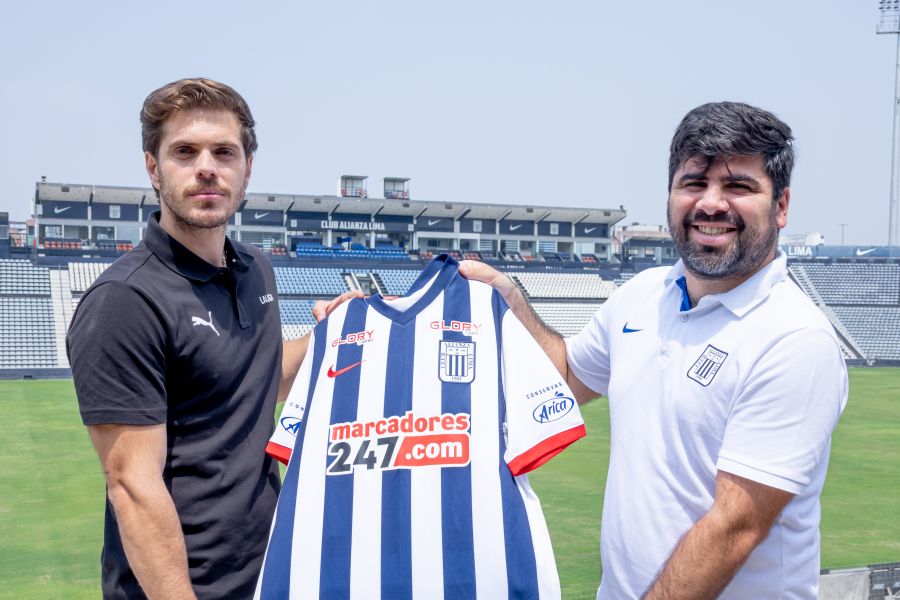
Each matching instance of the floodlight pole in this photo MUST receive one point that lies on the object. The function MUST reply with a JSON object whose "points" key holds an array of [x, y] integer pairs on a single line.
{"points": [[895, 176], [890, 24]]}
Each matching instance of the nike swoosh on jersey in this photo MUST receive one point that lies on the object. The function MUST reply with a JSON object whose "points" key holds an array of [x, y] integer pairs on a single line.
{"points": [[627, 329], [332, 373]]}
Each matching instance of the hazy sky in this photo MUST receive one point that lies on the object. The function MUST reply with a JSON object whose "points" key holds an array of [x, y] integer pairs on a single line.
{"points": [[550, 103]]}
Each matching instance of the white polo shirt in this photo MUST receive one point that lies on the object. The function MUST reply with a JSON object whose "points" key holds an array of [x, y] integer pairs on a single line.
{"points": [[751, 381]]}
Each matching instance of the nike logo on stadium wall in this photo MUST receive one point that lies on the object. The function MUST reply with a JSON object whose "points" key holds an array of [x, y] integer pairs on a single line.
{"points": [[260, 215], [589, 229], [861, 252], [432, 223], [332, 373], [57, 210], [514, 227], [198, 321], [627, 329]]}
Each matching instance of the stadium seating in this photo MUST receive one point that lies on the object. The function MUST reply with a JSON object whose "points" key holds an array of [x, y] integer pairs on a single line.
{"points": [[82, 275], [861, 299], [564, 285], [876, 329], [296, 312], [397, 281], [292, 331], [305, 281], [855, 283], [356, 252], [26, 332], [20, 277], [567, 318]]}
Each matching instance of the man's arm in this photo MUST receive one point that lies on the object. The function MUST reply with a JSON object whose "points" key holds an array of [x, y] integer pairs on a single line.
{"points": [[712, 551], [549, 340], [294, 351], [292, 354], [133, 458]]}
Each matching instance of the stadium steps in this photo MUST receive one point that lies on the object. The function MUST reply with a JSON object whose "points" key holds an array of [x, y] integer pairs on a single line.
{"points": [[61, 301], [352, 283], [378, 283], [849, 345]]}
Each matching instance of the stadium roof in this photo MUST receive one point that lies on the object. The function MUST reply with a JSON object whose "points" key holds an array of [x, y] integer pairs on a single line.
{"points": [[338, 205]]}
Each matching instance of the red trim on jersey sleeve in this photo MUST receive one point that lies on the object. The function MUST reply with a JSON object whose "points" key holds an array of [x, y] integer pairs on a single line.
{"points": [[538, 455], [279, 452]]}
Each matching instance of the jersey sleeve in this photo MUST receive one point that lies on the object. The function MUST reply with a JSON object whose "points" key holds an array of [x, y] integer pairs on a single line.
{"points": [[780, 426], [588, 352], [281, 444], [542, 417], [117, 350]]}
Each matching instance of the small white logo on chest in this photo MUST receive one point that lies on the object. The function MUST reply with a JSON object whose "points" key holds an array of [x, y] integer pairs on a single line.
{"points": [[266, 298], [198, 321], [707, 365]]}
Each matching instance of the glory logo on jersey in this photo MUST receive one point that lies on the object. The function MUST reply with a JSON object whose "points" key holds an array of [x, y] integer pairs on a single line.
{"points": [[463, 327], [358, 338], [443, 445]]}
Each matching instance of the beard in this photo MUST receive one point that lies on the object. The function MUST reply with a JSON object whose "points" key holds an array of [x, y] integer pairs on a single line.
{"points": [[750, 249], [208, 214]]}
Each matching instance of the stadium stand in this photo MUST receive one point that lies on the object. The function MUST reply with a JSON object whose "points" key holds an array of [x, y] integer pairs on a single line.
{"points": [[296, 312], [396, 282], [21, 278], [875, 329], [27, 333], [82, 275], [564, 285], [859, 284], [307, 281], [567, 318], [861, 299]]}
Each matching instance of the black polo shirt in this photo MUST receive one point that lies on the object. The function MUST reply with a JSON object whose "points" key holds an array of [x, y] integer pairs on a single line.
{"points": [[162, 336]]}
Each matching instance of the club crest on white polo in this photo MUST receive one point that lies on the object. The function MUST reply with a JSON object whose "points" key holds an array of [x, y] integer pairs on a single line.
{"points": [[704, 369]]}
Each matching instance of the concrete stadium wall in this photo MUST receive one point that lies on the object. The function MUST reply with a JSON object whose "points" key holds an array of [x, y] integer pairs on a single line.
{"points": [[852, 584]]}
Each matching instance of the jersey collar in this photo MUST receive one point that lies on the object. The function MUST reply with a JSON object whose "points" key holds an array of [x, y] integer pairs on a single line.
{"points": [[443, 269], [744, 297], [181, 260]]}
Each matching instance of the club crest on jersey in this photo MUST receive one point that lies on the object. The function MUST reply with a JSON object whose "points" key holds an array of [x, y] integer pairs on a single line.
{"points": [[463, 327], [457, 362], [553, 408], [358, 338], [704, 369]]}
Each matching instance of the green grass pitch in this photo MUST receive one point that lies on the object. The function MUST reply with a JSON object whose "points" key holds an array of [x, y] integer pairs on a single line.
{"points": [[51, 490]]}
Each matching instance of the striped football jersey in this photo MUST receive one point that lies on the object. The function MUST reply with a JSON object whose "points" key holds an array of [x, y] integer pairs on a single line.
{"points": [[408, 433]]}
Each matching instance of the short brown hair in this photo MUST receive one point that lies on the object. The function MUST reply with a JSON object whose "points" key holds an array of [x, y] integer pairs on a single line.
{"points": [[186, 94]]}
